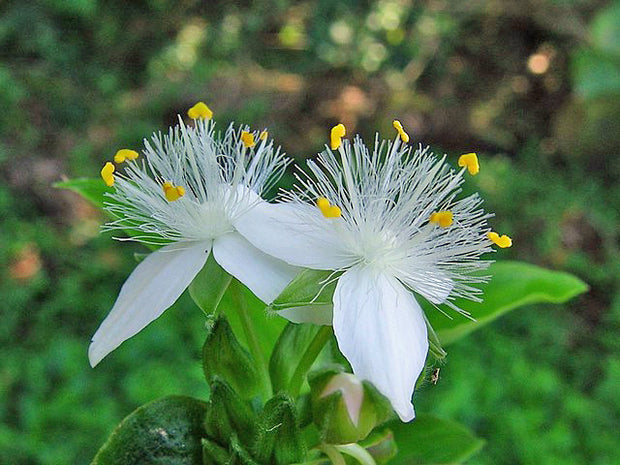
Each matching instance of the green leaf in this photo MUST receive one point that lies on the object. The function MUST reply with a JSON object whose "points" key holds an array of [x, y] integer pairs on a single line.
{"points": [[268, 328], [429, 440], [223, 356], [166, 431], [513, 284], [288, 351], [606, 29], [93, 190], [596, 74], [308, 288], [209, 286]]}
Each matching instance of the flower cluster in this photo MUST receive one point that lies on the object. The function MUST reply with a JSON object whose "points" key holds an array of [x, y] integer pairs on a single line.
{"points": [[386, 221]]}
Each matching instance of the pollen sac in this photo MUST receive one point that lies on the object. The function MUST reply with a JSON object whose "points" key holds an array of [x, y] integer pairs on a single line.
{"points": [[328, 210], [173, 192], [502, 241], [200, 111], [263, 135], [106, 174], [442, 218], [470, 161], [336, 135], [401, 131], [248, 139], [125, 154]]}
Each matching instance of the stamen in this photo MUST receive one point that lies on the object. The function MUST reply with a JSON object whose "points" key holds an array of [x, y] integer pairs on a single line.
{"points": [[442, 218], [106, 174], [125, 154], [328, 210], [401, 132], [263, 135], [502, 241], [337, 133], [200, 110], [173, 192], [470, 161], [248, 139]]}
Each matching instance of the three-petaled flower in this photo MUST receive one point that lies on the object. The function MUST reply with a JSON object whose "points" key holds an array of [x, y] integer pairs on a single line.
{"points": [[187, 193], [387, 222]]}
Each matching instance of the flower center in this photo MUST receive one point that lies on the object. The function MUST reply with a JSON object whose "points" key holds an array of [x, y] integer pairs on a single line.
{"points": [[377, 248], [213, 220]]}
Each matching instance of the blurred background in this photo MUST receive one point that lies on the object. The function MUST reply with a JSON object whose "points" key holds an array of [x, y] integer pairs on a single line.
{"points": [[533, 86]]}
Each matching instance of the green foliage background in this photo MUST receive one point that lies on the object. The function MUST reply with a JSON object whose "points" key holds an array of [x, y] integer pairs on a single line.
{"points": [[532, 86]]}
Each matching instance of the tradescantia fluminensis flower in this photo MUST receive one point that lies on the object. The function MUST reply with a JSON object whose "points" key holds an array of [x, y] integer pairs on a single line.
{"points": [[387, 222], [187, 192]]}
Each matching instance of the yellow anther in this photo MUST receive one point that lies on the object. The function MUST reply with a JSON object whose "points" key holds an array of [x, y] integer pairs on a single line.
{"points": [[401, 132], [332, 212], [502, 241], [470, 161], [200, 110], [263, 135], [125, 154], [442, 218], [173, 192], [322, 203], [248, 139], [106, 174], [328, 210], [336, 135]]}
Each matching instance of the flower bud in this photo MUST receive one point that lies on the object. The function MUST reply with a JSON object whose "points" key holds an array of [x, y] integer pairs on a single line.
{"points": [[344, 408], [223, 356]]}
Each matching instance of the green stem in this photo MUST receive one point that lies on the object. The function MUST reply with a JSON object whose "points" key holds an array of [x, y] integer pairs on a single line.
{"points": [[308, 358], [251, 337], [333, 454], [358, 453]]}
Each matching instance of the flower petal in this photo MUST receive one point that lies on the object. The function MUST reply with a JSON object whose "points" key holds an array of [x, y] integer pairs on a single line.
{"points": [[381, 331], [263, 274], [297, 233], [155, 284]]}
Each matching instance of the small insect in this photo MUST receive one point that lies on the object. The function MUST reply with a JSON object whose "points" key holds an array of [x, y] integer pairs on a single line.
{"points": [[435, 376]]}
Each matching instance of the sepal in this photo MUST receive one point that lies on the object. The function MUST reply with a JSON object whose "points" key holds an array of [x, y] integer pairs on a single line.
{"points": [[279, 439], [228, 415], [381, 445], [344, 408], [238, 454], [213, 453]]}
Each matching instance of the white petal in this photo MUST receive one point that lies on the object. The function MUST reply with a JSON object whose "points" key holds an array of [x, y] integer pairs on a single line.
{"points": [[317, 314], [297, 234], [155, 284], [381, 331], [263, 274]]}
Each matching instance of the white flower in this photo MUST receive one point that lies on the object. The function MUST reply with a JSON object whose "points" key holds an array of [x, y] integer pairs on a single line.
{"points": [[187, 193], [389, 220]]}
